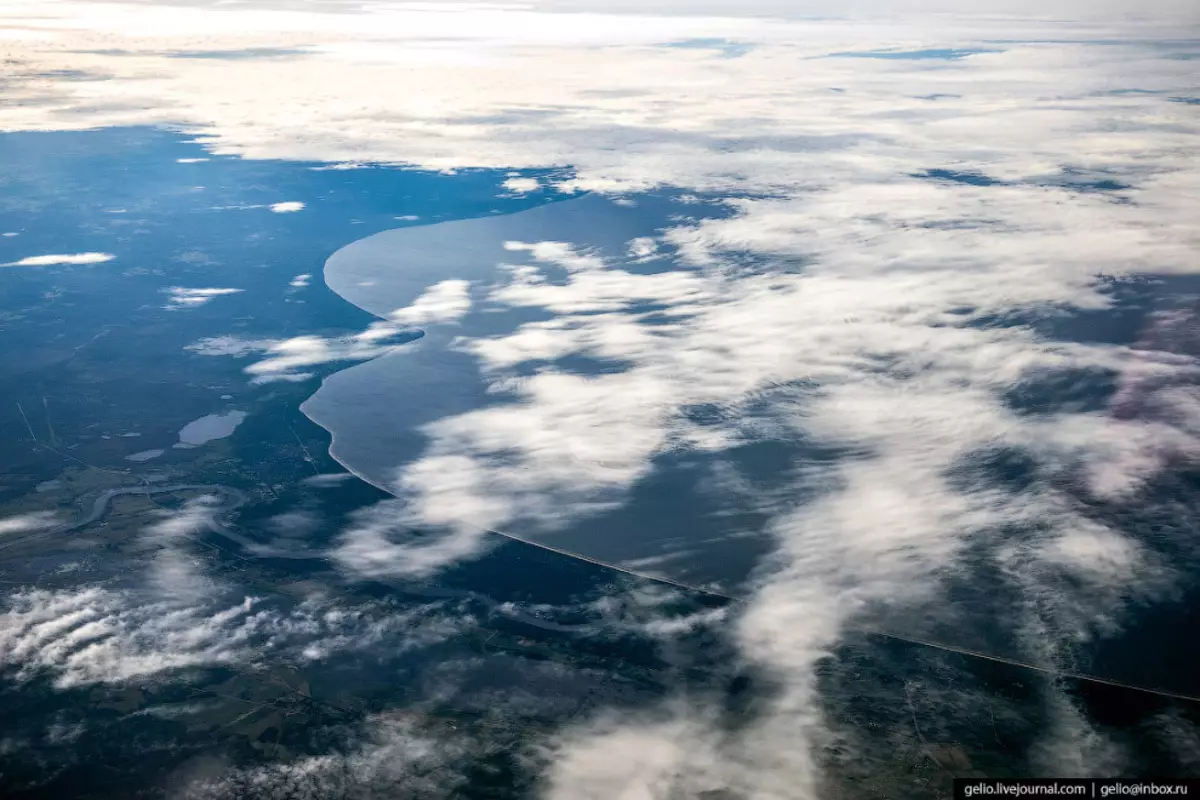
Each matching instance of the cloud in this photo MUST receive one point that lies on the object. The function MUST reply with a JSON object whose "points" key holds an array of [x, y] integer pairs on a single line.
{"points": [[300, 281], [643, 247], [92, 635], [522, 185], [174, 570], [288, 359], [632, 759], [297, 524], [443, 302], [1073, 747], [287, 207], [383, 540], [180, 616], [394, 755], [328, 479], [103, 636], [191, 298], [56, 259], [853, 301], [33, 521]]}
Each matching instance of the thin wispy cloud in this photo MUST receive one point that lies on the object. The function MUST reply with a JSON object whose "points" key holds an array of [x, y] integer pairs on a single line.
{"points": [[328, 479], [61, 259], [180, 297], [23, 523], [392, 755], [291, 359]]}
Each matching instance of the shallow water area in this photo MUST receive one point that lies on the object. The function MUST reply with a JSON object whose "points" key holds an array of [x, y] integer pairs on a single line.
{"points": [[210, 428]]}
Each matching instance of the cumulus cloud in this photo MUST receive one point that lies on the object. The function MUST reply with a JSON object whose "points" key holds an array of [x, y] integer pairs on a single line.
{"points": [[183, 617], [98, 635], [92, 635], [522, 185], [384, 540], [443, 302], [630, 759], [60, 259], [179, 297], [287, 207]]}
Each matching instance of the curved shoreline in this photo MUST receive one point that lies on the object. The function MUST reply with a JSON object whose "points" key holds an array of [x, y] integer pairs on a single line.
{"points": [[375, 305], [332, 451], [949, 648]]}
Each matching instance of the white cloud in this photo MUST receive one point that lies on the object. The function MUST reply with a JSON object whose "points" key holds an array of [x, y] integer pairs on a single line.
{"points": [[395, 756], [1073, 747], [639, 759], [643, 247], [33, 521], [287, 207], [92, 636], [443, 302], [181, 297], [300, 281], [522, 185], [57, 259], [288, 359], [382, 542], [97, 635], [184, 618], [328, 479], [174, 570]]}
